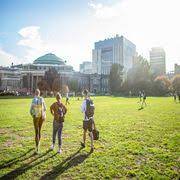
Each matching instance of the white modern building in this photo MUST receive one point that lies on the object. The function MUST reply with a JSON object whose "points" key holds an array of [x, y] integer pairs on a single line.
{"points": [[117, 50], [86, 67], [158, 61]]}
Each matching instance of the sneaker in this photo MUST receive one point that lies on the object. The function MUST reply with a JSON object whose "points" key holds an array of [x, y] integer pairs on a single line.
{"points": [[60, 151], [83, 145], [52, 147], [36, 150]]}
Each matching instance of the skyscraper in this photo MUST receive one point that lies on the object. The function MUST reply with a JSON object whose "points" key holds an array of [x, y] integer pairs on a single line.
{"points": [[117, 50], [158, 61]]}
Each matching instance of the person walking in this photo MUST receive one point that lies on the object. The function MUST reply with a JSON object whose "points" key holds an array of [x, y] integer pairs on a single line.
{"points": [[38, 113], [178, 95], [67, 99], [140, 96], [174, 95], [87, 109], [58, 110], [144, 99]]}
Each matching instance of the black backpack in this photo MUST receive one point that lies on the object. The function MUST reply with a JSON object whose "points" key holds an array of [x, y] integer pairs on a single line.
{"points": [[95, 134], [89, 108]]}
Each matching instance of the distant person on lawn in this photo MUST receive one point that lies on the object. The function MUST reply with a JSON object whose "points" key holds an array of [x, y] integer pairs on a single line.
{"points": [[87, 108], [174, 95], [38, 112], [58, 110], [178, 95], [144, 99], [140, 96], [67, 99]]}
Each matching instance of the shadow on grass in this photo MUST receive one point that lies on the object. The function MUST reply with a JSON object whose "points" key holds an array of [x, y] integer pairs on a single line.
{"points": [[141, 108], [13, 161], [24, 167], [69, 162]]}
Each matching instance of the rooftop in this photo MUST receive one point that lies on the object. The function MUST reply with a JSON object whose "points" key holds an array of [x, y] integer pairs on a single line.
{"points": [[49, 59]]}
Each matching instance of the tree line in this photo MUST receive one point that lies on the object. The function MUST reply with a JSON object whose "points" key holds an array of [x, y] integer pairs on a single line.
{"points": [[139, 78]]}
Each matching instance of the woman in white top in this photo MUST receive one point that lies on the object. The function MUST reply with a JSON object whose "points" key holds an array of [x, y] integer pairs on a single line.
{"points": [[38, 112]]}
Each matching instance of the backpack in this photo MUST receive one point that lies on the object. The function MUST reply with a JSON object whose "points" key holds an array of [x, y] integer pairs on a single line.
{"points": [[61, 112], [89, 108], [95, 134], [37, 108]]}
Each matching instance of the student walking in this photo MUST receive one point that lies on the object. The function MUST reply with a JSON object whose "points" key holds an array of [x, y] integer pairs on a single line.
{"points": [[87, 109], [38, 113], [140, 96], [178, 95], [144, 99], [58, 110], [67, 99], [174, 96]]}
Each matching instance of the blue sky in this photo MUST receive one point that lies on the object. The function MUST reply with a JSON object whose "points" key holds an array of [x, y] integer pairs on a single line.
{"points": [[69, 28]]}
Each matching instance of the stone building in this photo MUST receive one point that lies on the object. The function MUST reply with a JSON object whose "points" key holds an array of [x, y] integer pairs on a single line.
{"points": [[10, 79]]}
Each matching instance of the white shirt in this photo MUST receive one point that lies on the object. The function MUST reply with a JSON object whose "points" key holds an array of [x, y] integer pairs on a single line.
{"points": [[38, 100], [83, 109]]}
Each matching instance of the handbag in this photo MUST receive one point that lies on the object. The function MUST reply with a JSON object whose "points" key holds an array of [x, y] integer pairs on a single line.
{"points": [[95, 133]]}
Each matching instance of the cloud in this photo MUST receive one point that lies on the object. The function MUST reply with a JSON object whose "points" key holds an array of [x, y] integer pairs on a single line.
{"points": [[102, 11], [146, 23], [6, 58], [31, 39]]}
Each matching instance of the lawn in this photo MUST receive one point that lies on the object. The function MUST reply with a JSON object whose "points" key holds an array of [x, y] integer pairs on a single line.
{"points": [[133, 143]]}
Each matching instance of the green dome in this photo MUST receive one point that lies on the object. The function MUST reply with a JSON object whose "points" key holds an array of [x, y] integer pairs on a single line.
{"points": [[49, 59]]}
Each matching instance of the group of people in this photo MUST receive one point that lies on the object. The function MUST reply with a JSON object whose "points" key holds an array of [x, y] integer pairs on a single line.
{"points": [[58, 110]]}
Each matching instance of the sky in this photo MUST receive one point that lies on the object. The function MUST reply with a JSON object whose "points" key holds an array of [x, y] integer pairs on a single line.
{"points": [[69, 28]]}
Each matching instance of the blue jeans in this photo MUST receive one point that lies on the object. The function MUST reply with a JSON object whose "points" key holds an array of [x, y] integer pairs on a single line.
{"points": [[57, 128]]}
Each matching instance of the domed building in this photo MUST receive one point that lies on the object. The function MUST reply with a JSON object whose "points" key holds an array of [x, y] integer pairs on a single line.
{"points": [[24, 78], [49, 59], [31, 74]]}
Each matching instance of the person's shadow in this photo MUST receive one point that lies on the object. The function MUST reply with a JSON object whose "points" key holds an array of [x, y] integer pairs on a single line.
{"points": [[141, 108], [13, 161], [24, 167], [69, 162]]}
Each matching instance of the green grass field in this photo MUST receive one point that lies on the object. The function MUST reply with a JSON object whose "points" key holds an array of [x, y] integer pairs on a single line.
{"points": [[133, 143]]}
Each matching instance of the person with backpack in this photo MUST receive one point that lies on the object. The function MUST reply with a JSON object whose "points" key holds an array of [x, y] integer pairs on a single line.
{"points": [[87, 109], [58, 110], [38, 113]]}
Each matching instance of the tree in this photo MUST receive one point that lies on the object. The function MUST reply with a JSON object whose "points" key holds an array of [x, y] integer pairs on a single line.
{"points": [[56, 86], [73, 85], [138, 77], [0, 81], [50, 76], [161, 85], [43, 85], [65, 89], [176, 83], [115, 78]]}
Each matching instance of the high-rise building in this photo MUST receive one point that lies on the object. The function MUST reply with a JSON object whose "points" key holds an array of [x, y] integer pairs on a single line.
{"points": [[117, 50], [86, 67], [158, 61], [176, 69]]}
